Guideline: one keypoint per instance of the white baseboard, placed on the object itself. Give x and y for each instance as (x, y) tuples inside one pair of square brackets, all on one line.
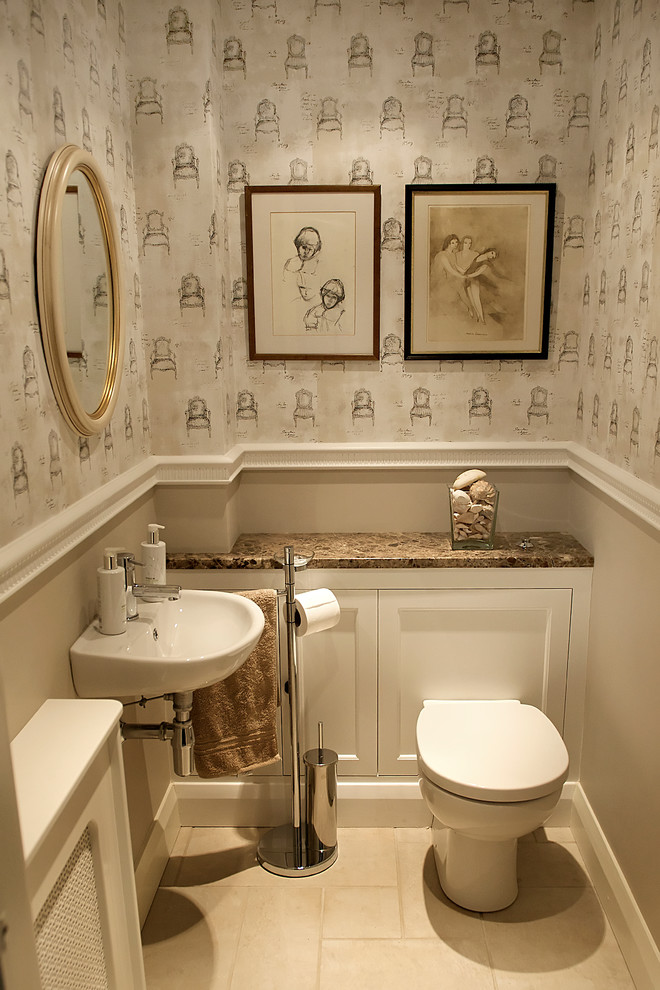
[(266, 801), (636, 942), (151, 864)]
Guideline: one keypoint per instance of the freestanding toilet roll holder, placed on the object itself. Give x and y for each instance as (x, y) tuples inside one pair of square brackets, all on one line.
[(309, 844)]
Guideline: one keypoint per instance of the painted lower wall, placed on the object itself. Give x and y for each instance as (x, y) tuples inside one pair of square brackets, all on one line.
[(37, 626), (621, 755), (341, 500)]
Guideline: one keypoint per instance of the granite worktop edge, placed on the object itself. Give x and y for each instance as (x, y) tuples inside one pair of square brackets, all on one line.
[(259, 551)]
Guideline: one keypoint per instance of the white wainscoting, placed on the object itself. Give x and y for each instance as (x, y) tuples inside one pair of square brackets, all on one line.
[(32, 553)]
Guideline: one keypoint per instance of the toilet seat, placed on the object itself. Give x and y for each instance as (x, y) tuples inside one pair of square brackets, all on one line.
[(501, 751)]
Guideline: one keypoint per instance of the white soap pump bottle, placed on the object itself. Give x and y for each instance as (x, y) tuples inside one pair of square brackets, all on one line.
[(111, 596), (153, 556)]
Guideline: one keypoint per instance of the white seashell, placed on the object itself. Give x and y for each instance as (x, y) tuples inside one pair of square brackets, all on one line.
[(460, 500), (468, 478), (488, 511), (482, 491)]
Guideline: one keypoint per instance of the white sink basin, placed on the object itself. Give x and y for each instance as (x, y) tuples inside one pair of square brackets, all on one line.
[(171, 646)]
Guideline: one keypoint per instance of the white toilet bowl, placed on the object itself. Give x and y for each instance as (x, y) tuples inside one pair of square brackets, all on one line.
[(490, 771)]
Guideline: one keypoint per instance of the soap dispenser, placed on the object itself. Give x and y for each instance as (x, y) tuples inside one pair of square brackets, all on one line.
[(111, 596), (153, 556)]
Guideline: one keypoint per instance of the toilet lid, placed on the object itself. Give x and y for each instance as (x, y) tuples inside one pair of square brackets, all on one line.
[(490, 750)]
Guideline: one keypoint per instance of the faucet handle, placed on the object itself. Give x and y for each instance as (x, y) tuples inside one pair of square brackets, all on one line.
[(127, 560)]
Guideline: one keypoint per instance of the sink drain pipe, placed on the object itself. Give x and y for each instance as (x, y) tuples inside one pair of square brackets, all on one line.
[(179, 732)]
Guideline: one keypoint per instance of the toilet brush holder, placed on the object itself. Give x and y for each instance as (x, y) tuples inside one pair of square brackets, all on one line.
[(286, 849), (321, 804)]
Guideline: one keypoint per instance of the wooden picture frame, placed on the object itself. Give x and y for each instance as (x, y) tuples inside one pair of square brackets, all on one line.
[(478, 271), (313, 267)]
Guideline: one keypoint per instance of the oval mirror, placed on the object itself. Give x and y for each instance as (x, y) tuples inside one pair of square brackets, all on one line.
[(78, 290)]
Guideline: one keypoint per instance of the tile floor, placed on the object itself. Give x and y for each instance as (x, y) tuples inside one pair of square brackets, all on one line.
[(375, 919)]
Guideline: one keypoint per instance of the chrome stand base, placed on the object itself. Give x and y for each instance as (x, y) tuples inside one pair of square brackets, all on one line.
[(283, 851)]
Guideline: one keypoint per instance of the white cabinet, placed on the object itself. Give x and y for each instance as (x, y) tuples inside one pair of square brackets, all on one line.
[(338, 675), (472, 643), (407, 635)]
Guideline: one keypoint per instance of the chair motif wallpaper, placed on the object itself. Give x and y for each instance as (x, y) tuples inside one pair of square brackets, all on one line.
[(182, 105)]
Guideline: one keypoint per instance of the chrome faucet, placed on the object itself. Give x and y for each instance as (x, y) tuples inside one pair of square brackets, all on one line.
[(171, 592), (159, 592)]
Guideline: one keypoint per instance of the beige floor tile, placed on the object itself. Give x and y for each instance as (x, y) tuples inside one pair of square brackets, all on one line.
[(190, 937), (361, 912), (427, 912), (551, 864), (376, 918), (228, 857), (366, 857), (223, 856), (280, 940), (425, 964), (555, 938), (420, 835), (553, 833)]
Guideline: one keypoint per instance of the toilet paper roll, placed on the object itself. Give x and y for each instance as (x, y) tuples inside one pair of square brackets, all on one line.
[(315, 611)]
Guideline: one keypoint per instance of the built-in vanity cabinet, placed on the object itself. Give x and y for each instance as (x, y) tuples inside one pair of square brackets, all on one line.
[(467, 643), (411, 632), (339, 683)]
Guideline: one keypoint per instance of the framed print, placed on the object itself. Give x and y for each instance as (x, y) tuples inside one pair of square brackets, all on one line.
[(313, 267), (478, 271)]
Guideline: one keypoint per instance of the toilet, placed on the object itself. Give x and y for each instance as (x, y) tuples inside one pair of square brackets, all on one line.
[(490, 771)]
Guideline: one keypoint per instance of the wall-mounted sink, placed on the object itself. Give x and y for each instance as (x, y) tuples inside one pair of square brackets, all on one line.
[(182, 645)]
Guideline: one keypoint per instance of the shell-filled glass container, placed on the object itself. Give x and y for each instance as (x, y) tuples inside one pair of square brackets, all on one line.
[(473, 515)]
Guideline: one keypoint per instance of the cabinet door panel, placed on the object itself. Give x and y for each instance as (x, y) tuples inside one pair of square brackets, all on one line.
[(338, 681), (467, 644)]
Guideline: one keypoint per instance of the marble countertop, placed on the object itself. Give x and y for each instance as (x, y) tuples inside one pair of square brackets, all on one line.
[(260, 551)]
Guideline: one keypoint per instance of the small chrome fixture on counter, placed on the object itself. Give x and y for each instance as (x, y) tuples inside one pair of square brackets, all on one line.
[(162, 592), (146, 591), (309, 844)]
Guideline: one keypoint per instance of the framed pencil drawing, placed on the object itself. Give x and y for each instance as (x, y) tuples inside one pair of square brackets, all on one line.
[(478, 271), (313, 267)]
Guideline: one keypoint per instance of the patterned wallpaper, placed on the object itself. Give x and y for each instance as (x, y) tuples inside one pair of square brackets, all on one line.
[(64, 80), (184, 104), (329, 92), (611, 246), (181, 191)]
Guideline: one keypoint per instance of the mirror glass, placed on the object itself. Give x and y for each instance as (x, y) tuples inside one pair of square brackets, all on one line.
[(87, 317), (78, 289)]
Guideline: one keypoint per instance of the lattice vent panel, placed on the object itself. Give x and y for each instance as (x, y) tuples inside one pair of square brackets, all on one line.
[(68, 927)]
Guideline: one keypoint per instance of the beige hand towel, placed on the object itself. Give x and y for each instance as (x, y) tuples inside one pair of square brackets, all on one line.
[(235, 720)]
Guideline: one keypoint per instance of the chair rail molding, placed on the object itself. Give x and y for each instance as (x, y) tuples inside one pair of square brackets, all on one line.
[(24, 558)]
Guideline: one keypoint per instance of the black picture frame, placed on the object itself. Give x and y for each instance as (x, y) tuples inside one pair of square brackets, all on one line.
[(478, 271)]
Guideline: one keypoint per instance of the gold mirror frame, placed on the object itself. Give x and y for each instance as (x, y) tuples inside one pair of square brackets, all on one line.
[(50, 271)]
